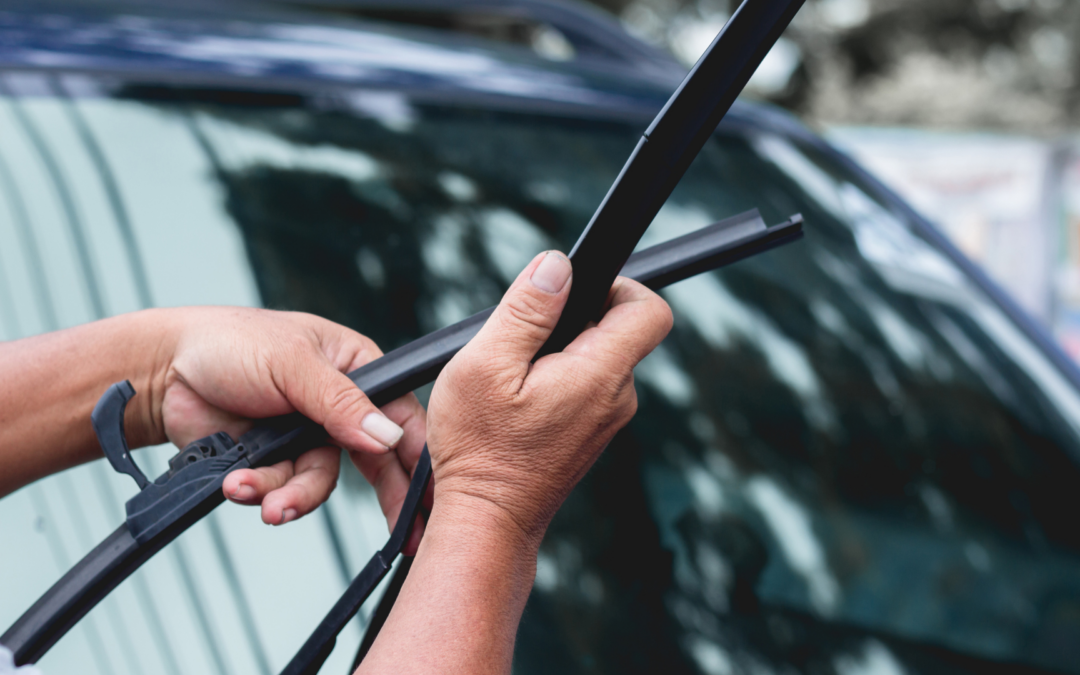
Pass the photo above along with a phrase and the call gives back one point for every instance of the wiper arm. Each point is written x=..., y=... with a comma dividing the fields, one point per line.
x=662, y=156
x=654, y=168
x=192, y=486
x=678, y=259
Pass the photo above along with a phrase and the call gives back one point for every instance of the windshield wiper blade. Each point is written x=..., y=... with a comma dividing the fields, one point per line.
x=663, y=155
x=192, y=486
x=656, y=267
x=650, y=174
x=164, y=509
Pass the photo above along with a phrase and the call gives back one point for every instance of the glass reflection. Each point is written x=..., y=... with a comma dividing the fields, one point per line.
x=846, y=459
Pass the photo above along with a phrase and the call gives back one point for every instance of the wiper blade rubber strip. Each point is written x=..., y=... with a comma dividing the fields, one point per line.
x=168, y=506
x=383, y=380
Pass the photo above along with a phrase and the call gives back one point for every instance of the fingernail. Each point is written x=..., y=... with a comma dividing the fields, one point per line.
x=243, y=493
x=379, y=427
x=552, y=272
x=287, y=515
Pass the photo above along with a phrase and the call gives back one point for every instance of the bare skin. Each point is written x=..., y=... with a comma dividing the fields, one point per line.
x=191, y=382
x=500, y=471
x=509, y=439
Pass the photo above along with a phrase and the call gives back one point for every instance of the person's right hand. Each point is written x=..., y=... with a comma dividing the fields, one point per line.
x=519, y=435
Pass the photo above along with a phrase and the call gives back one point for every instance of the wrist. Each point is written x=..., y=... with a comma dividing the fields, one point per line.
x=459, y=609
x=153, y=335
x=484, y=524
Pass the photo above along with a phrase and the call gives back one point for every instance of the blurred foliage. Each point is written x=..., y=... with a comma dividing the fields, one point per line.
x=999, y=64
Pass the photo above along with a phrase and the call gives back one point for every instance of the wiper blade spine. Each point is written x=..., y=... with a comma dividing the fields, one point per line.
x=383, y=380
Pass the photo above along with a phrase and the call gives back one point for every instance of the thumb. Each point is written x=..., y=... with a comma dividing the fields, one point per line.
x=528, y=312
x=326, y=396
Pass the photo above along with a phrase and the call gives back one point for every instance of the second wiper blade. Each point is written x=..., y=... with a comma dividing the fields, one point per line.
x=163, y=510
x=658, y=266
x=716, y=245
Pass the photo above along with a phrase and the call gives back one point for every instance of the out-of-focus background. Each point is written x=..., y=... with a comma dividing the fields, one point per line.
x=967, y=108
x=849, y=458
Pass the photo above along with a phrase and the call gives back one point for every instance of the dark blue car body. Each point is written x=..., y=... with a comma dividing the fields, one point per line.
x=853, y=455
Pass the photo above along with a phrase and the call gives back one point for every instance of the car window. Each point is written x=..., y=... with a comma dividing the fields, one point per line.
x=846, y=458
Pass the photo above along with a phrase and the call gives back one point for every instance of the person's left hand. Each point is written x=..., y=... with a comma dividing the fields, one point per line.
x=259, y=363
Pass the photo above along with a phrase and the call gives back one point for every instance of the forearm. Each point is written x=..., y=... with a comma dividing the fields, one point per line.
x=459, y=609
x=51, y=382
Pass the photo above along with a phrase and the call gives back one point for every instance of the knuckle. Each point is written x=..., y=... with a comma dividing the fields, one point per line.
x=526, y=310
x=484, y=377
x=620, y=364
x=344, y=402
x=320, y=490
x=367, y=348
x=352, y=344
x=317, y=491
x=617, y=398
x=300, y=496
x=629, y=406
x=276, y=477
x=665, y=318
x=294, y=343
x=323, y=476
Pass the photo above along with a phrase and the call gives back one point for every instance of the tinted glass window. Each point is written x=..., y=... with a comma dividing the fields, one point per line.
x=846, y=459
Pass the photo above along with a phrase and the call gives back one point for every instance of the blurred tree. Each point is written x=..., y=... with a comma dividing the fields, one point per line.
x=1000, y=64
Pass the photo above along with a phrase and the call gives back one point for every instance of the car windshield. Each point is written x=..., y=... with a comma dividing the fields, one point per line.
x=846, y=459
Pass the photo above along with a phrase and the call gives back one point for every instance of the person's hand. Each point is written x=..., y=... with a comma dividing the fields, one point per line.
x=518, y=435
x=256, y=363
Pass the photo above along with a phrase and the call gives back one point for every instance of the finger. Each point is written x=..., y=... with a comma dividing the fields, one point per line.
x=315, y=476
x=391, y=482
x=391, y=473
x=408, y=414
x=323, y=393
x=525, y=317
x=250, y=486
x=386, y=474
x=637, y=321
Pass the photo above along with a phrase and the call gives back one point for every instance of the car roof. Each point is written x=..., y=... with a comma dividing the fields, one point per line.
x=286, y=45
x=265, y=42
x=262, y=45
